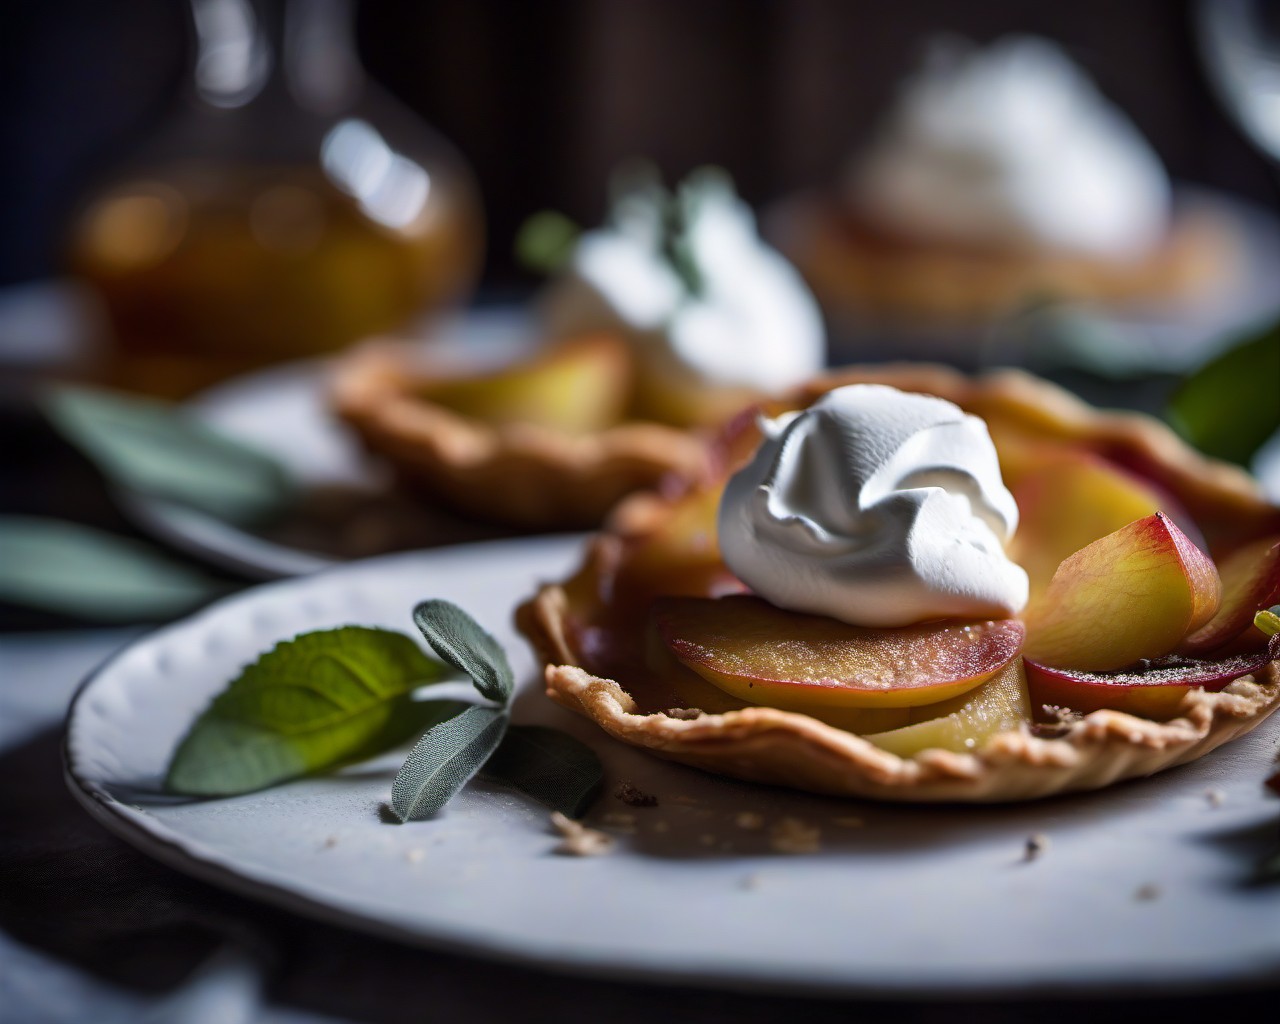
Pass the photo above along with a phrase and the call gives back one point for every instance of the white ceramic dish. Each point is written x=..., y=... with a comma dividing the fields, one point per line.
x=1142, y=887
x=282, y=411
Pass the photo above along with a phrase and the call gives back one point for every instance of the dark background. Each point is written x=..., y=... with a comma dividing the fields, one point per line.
x=545, y=96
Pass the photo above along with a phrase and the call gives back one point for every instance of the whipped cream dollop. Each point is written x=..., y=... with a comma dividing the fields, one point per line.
x=1012, y=146
x=876, y=507
x=712, y=305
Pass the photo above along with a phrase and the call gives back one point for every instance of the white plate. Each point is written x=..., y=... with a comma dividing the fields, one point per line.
x=283, y=412
x=911, y=901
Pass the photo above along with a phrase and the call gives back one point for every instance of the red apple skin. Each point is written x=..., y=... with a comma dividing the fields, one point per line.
x=1154, y=692
x=1130, y=596
x=1250, y=582
x=799, y=662
x=1069, y=499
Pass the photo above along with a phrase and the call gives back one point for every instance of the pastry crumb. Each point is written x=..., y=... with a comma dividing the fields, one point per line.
x=750, y=882
x=684, y=714
x=749, y=820
x=619, y=818
x=414, y=854
x=1037, y=844
x=634, y=796
x=850, y=821
x=1061, y=720
x=329, y=843
x=1146, y=893
x=791, y=835
x=578, y=840
x=1215, y=797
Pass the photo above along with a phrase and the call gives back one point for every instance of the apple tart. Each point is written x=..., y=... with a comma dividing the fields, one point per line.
x=547, y=444
x=1137, y=650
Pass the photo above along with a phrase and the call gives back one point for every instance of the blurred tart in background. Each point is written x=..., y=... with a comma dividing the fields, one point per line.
x=659, y=325
x=1000, y=176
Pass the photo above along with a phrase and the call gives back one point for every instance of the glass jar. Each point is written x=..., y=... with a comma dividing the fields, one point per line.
x=287, y=209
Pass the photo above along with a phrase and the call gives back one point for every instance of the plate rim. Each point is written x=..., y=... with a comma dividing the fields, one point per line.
x=158, y=840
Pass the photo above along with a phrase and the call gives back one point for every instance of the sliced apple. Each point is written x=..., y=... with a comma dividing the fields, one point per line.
x=1250, y=582
x=1153, y=692
x=1132, y=595
x=999, y=705
x=685, y=539
x=1069, y=500
x=578, y=386
x=765, y=655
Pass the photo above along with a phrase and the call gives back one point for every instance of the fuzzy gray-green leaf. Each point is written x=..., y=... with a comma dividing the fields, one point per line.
x=149, y=446
x=75, y=570
x=444, y=760
x=550, y=766
x=462, y=643
x=311, y=703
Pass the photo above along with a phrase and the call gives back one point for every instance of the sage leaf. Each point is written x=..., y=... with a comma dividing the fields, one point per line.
x=463, y=643
x=75, y=570
x=1231, y=406
x=444, y=760
x=149, y=446
x=548, y=765
x=309, y=704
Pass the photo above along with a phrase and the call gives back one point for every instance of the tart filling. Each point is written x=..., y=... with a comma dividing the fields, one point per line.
x=537, y=459
x=655, y=639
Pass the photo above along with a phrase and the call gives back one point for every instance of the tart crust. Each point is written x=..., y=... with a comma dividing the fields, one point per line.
x=764, y=744
x=522, y=475
x=849, y=266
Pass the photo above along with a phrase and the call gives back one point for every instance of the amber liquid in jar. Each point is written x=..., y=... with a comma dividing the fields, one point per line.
x=209, y=271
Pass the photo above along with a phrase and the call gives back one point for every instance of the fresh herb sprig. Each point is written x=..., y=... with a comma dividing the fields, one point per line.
x=150, y=447
x=332, y=697
x=545, y=763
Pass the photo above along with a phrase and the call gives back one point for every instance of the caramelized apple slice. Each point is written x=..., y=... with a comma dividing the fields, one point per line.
x=1250, y=581
x=577, y=386
x=1133, y=595
x=1069, y=500
x=685, y=541
x=998, y=705
x=1152, y=692
x=766, y=655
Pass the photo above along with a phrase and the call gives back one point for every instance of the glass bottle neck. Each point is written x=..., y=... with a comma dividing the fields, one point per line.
x=298, y=53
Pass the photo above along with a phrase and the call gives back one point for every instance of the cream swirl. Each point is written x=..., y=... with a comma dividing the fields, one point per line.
x=736, y=314
x=876, y=507
x=1012, y=145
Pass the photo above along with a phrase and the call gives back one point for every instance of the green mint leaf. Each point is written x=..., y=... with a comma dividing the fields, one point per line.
x=75, y=570
x=545, y=241
x=148, y=446
x=444, y=760
x=1231, y=406
x=309, y=704
x=462, y=643
x=548, y=765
